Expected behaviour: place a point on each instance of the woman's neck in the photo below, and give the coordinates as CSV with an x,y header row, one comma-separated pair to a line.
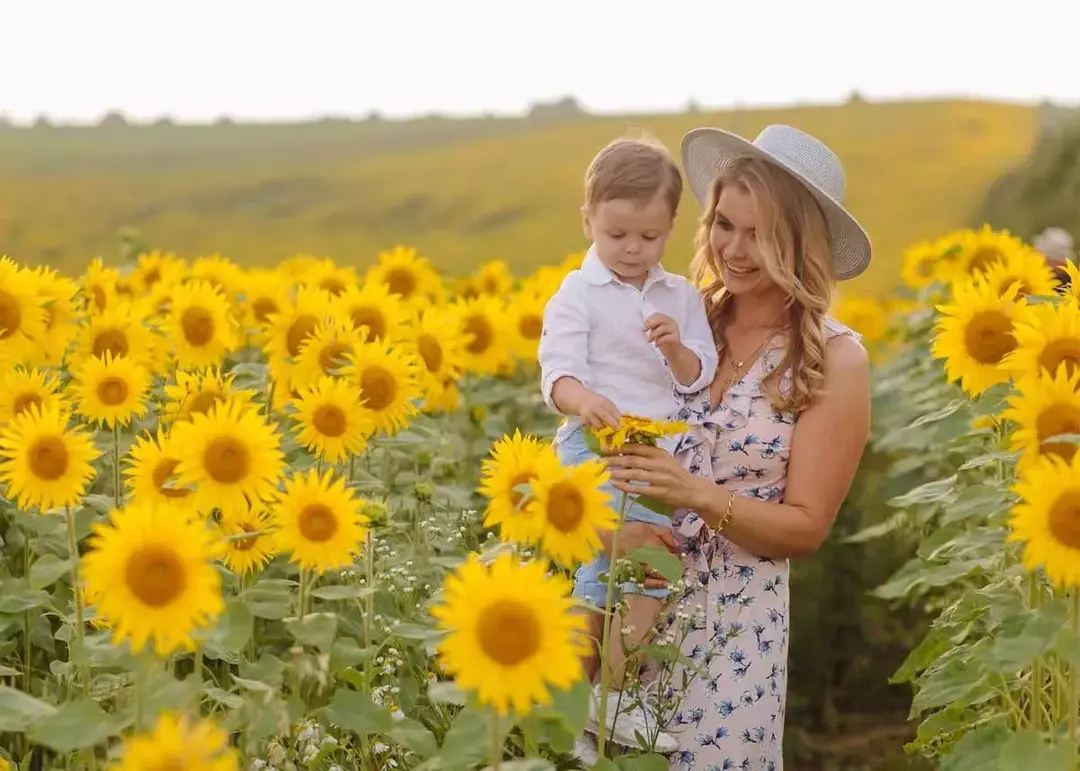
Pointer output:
x,y
758,311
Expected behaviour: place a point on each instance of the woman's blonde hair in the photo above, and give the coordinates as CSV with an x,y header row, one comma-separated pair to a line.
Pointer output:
x,y
794,241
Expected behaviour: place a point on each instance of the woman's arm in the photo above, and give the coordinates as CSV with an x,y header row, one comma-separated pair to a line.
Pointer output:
x,y
827,445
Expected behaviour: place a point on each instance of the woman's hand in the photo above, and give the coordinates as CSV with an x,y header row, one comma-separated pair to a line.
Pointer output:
x,y
639,469
634,535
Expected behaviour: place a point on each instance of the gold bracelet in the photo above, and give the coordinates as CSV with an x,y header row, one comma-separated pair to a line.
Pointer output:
x,y
727,513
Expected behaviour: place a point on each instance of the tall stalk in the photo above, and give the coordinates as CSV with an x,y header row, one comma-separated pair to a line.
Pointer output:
x,y
605,644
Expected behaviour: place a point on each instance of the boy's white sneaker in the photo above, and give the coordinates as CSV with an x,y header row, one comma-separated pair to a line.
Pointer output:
x,y
628,720
585,750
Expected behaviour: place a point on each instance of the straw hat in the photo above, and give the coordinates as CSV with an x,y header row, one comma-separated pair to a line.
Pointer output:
x,y
707,151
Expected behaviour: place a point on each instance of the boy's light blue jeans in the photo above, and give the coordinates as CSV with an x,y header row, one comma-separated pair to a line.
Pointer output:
x,y
588,583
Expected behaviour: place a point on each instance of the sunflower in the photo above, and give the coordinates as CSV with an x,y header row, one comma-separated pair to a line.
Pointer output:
x,y
200,325
634,429
325,351
22,312
515,461
110,391
219,272
295,268
409,276
44,462
319,522
494,279
58,305
546,279
484,322
1047,337
329,277
1047,518
266,293
867,316
332,423
374,310
513,632
438,341
445,397
979,249
155,270
526,313
230,454
177,742
99,285
1045,406
387,378
118,331
151,473
569,508
247,555
1025,267
295,323
194,393
150,570
976,332
20,388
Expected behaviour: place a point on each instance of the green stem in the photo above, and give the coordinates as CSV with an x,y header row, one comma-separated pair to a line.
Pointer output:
x,y
369,604
532,748
605,643
305,587
198,681
1034,596
1074,688
80,611
118,491
27,669
496,742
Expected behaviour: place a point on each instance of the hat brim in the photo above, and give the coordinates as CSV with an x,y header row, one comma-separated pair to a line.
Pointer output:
x,y
708,151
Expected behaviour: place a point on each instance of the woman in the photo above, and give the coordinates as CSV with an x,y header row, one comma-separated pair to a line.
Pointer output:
x,y
775,440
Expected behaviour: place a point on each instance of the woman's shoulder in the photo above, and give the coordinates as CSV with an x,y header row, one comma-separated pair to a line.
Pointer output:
x,y
844,349
834,328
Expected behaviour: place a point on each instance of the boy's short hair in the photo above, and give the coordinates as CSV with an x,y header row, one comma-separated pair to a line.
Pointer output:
x,y
634,168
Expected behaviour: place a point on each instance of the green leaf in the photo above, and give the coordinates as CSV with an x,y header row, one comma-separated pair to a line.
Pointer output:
x,y
931,492
604,764
269,598
466,742
231,633
16,597
48,570
355,711
19,710
342,592
1013,652
659,559
317,629
976,751
648,762
408,631
75,725
348,653
414,735
572,706
1028,750
446,693
654,505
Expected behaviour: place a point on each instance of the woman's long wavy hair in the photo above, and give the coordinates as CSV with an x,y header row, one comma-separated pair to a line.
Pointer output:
x,y
794,242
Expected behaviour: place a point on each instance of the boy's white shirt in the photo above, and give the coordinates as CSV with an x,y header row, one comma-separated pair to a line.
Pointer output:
x,y
594,332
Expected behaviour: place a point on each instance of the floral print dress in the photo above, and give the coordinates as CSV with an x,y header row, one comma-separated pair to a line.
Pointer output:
x,y
732,716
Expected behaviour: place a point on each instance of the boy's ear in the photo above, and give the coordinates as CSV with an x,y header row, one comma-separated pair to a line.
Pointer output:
x,y
585,224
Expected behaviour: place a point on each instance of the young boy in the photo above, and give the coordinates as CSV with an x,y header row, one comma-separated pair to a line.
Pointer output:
x,y
623,335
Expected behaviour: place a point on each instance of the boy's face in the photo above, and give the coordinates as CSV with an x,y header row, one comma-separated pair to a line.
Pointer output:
x,y
629,235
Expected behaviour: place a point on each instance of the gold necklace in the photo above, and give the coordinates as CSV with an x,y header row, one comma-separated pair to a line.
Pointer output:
x,y
738,365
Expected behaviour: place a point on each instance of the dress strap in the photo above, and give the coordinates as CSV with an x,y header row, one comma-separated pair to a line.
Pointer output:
x,y
834,328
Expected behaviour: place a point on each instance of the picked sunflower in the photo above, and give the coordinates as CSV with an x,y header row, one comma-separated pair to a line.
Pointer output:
x,y
332,424
634,429
43,461
21,387
976,332
375,311
231,455
177,742
409,276
1047,518
110,391
244,555
150,571
22,312
515,461
512,632
151,473
569,508
484,322
1048,336
319,521
200,324
387,378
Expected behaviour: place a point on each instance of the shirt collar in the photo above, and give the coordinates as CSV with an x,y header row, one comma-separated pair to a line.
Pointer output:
x,y
597,274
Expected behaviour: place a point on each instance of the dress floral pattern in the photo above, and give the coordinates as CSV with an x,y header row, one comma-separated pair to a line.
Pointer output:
x,y
732,716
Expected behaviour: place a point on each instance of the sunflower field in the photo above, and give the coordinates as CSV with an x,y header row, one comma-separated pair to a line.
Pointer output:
x,y
308,518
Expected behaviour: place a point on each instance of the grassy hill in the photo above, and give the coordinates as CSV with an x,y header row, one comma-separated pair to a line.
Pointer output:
x,y
463,191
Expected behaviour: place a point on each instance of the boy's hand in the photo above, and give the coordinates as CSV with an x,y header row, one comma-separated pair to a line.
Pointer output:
x,y
596,411
663,331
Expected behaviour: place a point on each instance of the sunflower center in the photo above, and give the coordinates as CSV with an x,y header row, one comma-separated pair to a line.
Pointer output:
x,y
566,508
245,544
10,315
1055,420
197,325
491,285
155,575
112,391
203,401
317,522
1065,349
1022,289
163,474
508,632
370,318
48,458
152,276
299,330
1065,519
530,326
25,401
482,334
329,420
263,308
523,478
989,337
430,351
112,341
331,357
332,285
378,388
401,281
983,259
226,460
100,298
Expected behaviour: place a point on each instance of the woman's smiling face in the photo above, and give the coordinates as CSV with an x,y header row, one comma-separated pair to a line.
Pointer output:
x,y
734,240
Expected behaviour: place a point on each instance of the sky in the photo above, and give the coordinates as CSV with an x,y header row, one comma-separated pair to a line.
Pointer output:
x,y
286,59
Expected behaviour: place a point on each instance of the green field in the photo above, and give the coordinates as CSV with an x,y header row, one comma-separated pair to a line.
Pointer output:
x,y
462,191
